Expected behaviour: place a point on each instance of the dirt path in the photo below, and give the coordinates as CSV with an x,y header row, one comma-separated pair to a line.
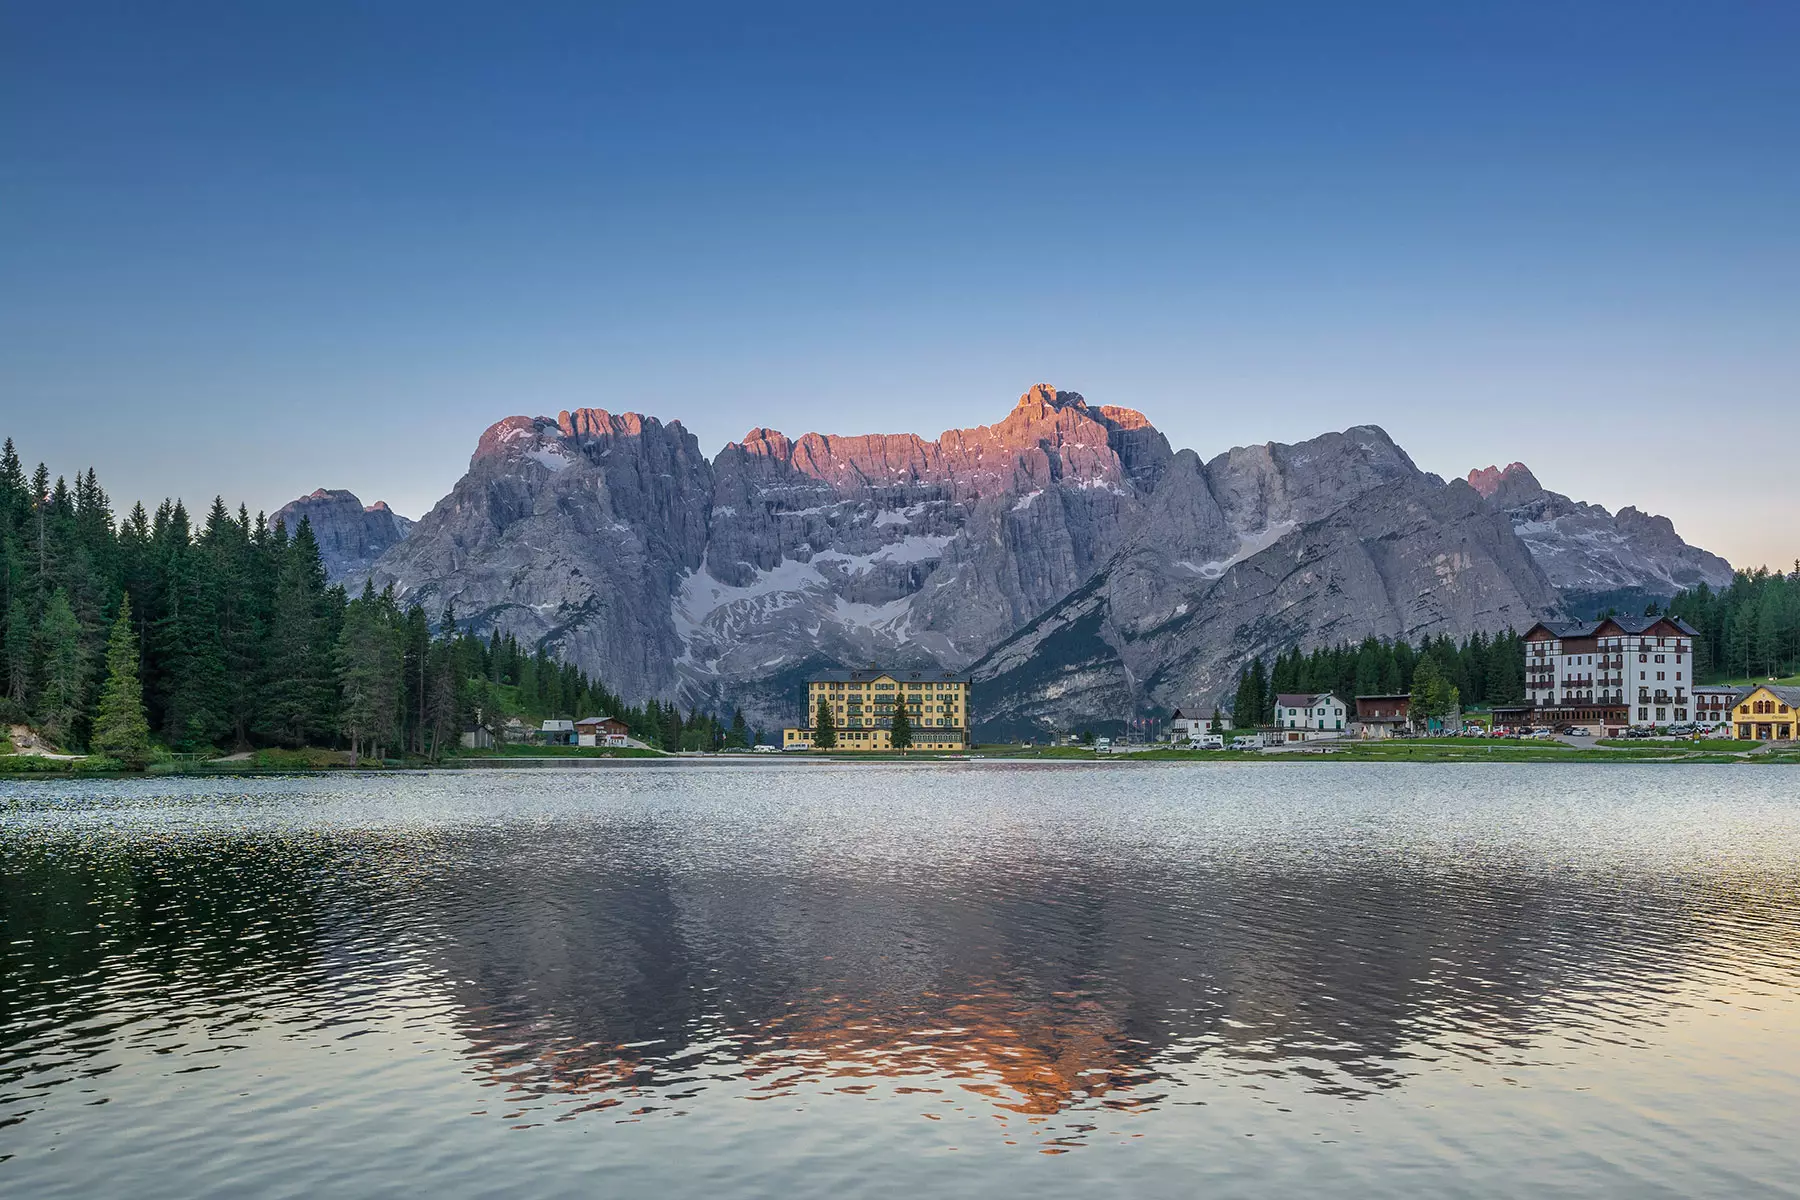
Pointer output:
x,y
28,744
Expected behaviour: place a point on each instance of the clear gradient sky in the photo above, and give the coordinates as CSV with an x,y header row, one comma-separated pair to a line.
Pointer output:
x,y
260,248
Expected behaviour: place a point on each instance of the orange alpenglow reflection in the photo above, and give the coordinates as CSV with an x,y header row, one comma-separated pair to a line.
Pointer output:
x,y
1021,1057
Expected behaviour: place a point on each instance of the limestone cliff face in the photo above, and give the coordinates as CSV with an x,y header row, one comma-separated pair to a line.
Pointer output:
x,y
572,533
350,536
1079,567
890,547
1326,541
1595,557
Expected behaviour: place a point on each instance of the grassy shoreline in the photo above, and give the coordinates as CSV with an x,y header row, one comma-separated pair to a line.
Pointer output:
x,y
1454,751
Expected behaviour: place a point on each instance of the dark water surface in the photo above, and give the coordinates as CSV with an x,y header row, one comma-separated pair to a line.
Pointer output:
x,y
803,980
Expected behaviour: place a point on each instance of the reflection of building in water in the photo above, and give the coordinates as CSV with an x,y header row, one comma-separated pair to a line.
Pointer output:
x,y
1043,987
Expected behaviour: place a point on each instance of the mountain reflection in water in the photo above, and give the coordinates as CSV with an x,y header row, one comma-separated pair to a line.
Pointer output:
x,y
1029,945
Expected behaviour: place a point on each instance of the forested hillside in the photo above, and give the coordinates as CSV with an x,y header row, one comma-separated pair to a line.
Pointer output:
x,y
240,643
1748,630
1483,671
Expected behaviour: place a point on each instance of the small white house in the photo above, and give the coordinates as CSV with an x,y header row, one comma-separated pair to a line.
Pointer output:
x,y
1184,728
1301,718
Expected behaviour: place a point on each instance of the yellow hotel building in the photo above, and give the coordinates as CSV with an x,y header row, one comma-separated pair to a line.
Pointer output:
x,y
862,707
1767,713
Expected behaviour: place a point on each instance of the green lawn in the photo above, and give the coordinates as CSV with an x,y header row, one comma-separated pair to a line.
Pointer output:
x,y
1752,681
516,751
1718,745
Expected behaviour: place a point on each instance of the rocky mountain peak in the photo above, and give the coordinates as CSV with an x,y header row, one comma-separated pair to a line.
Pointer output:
x,y
1042,397
1596,558
351,536
1506,487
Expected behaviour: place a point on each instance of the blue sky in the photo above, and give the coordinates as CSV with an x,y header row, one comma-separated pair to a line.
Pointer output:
x,y
258,248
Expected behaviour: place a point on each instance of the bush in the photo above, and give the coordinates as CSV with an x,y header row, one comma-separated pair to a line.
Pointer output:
x,y
36,764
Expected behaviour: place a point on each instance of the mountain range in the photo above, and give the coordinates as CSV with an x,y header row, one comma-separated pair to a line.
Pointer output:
x,y
1078,567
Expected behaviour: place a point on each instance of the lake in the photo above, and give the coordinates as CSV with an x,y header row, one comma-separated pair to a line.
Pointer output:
x,y
905,980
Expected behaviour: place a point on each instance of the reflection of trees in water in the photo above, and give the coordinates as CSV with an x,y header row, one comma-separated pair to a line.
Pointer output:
x,y
125,945
1044,985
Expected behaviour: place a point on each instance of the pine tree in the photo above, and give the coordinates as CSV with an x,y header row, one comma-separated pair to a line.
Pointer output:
x,y
369,667
21,637
299,693
1265,693
62,695
740,733
824,727
1247,707
900,733
122,730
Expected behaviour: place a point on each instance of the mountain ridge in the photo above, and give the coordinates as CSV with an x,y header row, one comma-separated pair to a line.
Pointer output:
x,y
612,539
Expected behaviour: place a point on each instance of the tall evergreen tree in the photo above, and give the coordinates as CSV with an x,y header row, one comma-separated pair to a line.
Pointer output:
x,y
370,667
121,730
900,732
21,639
62,695
300,694
824,727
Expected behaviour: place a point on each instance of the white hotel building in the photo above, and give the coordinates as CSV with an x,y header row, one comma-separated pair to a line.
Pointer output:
x,y
1611,673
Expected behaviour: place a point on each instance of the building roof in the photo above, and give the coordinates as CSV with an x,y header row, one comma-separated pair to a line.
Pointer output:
x,y
1719,689
1787,695
1406,696
1626,625
897,676
556,725
1296,700
601,720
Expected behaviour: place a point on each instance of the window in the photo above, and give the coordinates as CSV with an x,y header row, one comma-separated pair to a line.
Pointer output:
x,y
1659,658
1643,714
1659,674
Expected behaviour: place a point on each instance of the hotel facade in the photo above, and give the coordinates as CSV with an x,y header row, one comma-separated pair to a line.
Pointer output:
x,y
1611,674
863,703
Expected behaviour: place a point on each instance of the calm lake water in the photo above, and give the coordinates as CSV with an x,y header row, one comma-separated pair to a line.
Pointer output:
x,y
807,980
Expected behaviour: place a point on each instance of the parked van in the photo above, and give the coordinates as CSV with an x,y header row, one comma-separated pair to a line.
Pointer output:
x,y
1251,741
1210,741
1102,745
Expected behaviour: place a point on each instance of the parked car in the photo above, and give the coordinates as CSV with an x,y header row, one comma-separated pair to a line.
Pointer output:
x,y
1210,741
764,750
1580,731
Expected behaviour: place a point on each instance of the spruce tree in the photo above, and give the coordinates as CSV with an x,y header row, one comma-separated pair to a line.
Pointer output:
x,y
824,727
369,669
299,693
21,636
900,734
122,730
62,695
